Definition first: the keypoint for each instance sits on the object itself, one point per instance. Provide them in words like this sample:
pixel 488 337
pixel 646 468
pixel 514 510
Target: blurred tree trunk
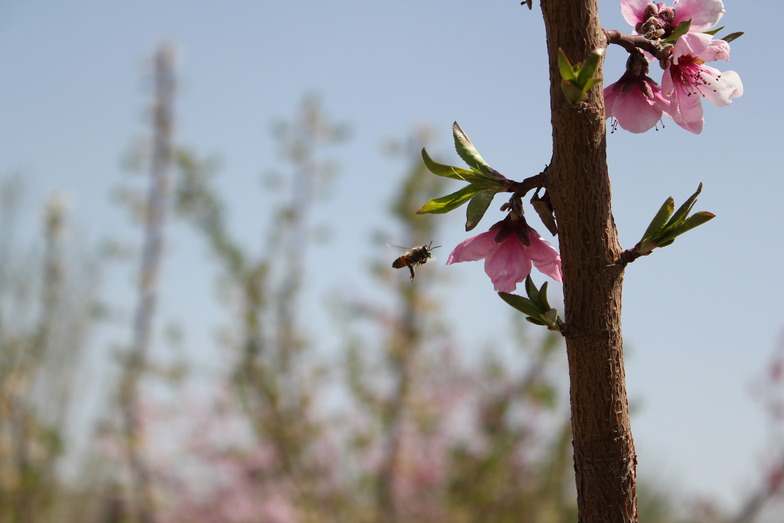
pixel 152 254
pixel 579 185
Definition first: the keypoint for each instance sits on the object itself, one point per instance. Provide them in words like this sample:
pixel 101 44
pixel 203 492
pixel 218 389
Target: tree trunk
pixel 579 186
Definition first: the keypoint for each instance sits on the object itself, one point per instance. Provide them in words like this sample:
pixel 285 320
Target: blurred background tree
pixel 398 421
pixel 47 307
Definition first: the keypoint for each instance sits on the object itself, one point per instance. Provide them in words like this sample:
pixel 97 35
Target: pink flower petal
pixel 509 265
pixel 474 248
pixel 691 44
pixel 509 262
pixel 636 103
pixel 633 110
pixel 544 256
pixel 725 87
pixel 686 107
pixel 704 14
pixel 632 10
pixel 716 50
pixel 611 93
pixel 688 80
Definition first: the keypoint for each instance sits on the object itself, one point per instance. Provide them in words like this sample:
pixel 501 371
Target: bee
pixel 414 256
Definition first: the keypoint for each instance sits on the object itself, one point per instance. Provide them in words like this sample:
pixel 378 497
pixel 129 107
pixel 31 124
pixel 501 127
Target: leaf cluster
pixel 483 182
pixel 666 225
pixel 578 79
pixel 536 307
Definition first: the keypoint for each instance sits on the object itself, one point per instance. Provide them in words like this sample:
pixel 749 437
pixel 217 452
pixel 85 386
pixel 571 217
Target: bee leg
pixel 411 268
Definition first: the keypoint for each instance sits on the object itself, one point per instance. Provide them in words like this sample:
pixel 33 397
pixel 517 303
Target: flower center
pixel 659 21
pixel 694 78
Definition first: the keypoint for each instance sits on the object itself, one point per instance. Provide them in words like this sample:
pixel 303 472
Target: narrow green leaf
pixel 587 87
pixel 646 247
pixel 589 68
pixel 536 322
pixel 732 36
pixel 531 290
pixel 591 83
pixel 695 220
pixel 477 207
pixel 523 305
pixel 664 213
pixel 543 297
pixel 683 210
pixel 449 202
pixel 572 92
pixel 713 31
pixel 467 151
pixel 550 317
pixel 447 171
pixel 565 66
pixel 679 31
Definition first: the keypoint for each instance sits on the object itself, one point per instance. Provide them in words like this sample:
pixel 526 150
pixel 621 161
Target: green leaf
pixel 695 220
pixel 565 66
pixel 590 84
pixel 477 207
pixel 447 171
pixel 449 202
pixel 683 210
pixel 679 31
pixel 536 322
pixel 658 222
pixel 732 36
pixel 646 247
pixel 531 290
pixel 572 92
pixel 679 223
pixel 577 80
pixel 467 151
pixel 543 297
pixel 550 317
pixel 523 305
pixel 589 68
pixel 713 31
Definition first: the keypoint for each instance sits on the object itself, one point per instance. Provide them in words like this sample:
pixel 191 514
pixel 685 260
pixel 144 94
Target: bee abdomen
pixel 398 263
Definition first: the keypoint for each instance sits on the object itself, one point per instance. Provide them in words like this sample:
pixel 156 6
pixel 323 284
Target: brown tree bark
pixel 579 186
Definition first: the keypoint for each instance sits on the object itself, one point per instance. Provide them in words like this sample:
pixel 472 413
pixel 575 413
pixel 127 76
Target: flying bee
pixel 414 256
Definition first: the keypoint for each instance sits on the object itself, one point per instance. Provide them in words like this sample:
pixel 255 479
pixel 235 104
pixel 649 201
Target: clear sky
pixel 701 317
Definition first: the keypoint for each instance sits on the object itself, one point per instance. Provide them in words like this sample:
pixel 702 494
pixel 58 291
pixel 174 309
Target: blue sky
pixel 700 318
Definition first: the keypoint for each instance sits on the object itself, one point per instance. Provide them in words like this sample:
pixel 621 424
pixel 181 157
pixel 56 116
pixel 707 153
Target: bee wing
pixel 398 247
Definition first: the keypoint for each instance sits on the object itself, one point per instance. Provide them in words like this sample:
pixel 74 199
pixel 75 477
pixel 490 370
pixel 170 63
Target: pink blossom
pixel 509 262
pixel 646 16
pixel 636 103
pixel 687 80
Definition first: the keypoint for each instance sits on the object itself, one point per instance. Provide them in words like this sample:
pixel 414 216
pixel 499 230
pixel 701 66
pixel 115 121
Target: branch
pixel 530 183
pixel 633 42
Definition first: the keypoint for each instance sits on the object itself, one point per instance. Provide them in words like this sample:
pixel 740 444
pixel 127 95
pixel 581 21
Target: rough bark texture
pixel 579 186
